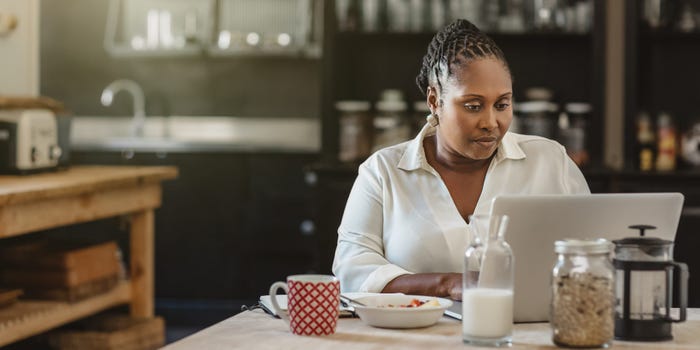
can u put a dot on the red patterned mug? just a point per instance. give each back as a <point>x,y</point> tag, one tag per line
<point>312,303</point>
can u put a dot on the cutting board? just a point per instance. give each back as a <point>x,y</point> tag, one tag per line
<point>39,265</point>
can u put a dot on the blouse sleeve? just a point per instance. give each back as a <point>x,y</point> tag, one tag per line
<point>359,262</point>
<point>574,181</point>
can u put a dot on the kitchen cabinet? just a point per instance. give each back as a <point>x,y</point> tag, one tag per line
<point>232,223</point>
<point>359,65</point>
<point>661,69</point>
<point>32,203</point>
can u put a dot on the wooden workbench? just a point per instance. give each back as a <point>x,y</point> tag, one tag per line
<point>81,194</point>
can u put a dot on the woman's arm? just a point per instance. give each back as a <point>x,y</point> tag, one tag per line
<point>360,263</point>
<point>434,284</point>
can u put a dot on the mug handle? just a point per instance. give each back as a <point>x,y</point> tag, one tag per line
<point>273,299</point>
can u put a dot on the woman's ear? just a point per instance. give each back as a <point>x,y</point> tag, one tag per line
<point>433,100</point>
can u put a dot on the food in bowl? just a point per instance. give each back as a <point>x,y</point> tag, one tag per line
<point>416,303</point>
<point>401,311</point>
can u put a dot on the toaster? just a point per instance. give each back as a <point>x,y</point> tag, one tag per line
<point>28,141</point>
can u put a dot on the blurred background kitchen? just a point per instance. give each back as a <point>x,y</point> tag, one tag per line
<point>268,106</point>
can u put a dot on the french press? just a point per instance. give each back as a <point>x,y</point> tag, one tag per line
<point>644,287</point>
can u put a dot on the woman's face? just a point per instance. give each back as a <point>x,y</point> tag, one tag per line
<point>476,109</point>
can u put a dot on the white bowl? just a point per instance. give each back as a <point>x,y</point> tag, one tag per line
<point>378,313</point>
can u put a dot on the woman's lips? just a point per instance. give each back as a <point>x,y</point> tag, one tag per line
<point>486,142</point>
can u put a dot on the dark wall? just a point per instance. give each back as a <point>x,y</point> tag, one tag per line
<point>75,68</point>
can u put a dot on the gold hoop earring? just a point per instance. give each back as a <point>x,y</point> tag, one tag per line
<point>432,120</point>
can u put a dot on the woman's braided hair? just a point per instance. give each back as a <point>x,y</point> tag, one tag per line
<point>456,44</point>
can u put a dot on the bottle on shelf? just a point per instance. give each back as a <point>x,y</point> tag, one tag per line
<point>645,142</point>
<point>666,143</point>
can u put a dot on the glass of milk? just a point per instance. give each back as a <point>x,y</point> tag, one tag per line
<point>487,290</point>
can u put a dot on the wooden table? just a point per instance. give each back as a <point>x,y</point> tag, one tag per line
<point>257,330</point>
<point>81,194</point>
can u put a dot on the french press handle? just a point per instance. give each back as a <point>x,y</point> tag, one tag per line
<point>683,287</point>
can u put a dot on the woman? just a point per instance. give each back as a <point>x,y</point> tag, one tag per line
<point>405,224</point>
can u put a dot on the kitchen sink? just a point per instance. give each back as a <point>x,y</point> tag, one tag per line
<point>196,133</point>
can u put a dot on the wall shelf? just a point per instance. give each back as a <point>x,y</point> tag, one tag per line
<point>176,28</point>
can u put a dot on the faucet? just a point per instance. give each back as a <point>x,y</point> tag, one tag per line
<point>138,98</point>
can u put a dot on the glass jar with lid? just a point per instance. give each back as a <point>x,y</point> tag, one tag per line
<point>537,117</point>
<point>355,130</point>
<point>391,124</point>
<point>572,130</point>
<point>583,294</point>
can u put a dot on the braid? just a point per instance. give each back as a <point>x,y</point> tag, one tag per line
<point>456,44</point>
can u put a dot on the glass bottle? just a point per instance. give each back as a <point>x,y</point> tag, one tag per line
<point>666,143</point>
<point>487,284</point>
<point>583,294</point>
<point>645,142</point>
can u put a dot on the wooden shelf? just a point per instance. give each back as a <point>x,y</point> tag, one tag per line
<point>29,317</point>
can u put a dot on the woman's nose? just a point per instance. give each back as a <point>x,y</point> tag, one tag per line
<point>488,120</point>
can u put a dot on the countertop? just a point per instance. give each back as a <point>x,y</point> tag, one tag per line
<point>257,330</point>
<point>188,134</point>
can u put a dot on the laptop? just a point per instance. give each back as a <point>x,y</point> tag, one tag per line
<point>537,221</point>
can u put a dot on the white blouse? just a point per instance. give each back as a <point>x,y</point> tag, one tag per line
<point>400,218</point>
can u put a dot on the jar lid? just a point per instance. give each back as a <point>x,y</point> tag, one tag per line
<point>584,246</point>
<point>578,107</point>
<point>536,106</point>
<point>391,106</point>
<point>539,93</point>
<point>391,95</point>
<point>352,106</point>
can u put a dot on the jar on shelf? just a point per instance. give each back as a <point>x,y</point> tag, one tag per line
<point>583,294</point>
<point>398,13</point>
<point>355,132</point>
<point>572,130</point>
<point>537,117</point>
<point>371,13</point>
<point>390,123</point>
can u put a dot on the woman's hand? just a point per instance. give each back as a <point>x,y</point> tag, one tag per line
<point>454,285</point>
<point>434,284</point>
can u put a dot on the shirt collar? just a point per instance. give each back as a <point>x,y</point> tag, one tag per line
<point>414,158</point>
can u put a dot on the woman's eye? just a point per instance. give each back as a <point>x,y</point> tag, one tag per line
<point>502,106</point>
<point>472,107</point>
